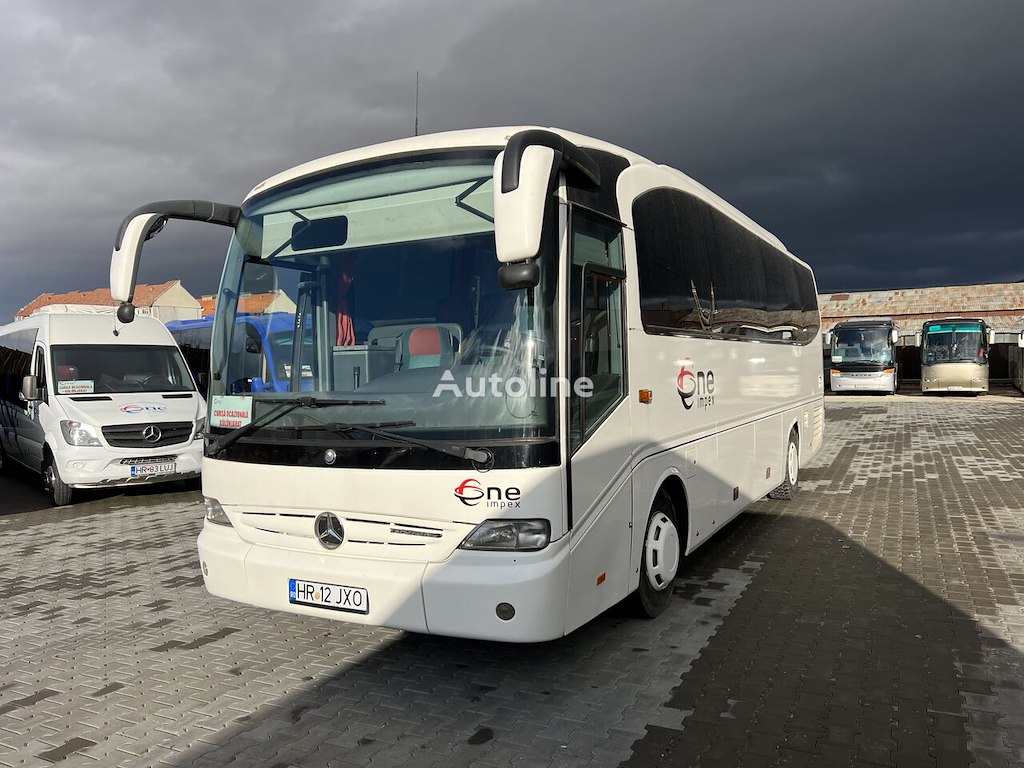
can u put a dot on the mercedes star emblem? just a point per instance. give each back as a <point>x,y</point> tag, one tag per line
<point>330,456</point>
<point>329,530</point>
<point>151,434</point>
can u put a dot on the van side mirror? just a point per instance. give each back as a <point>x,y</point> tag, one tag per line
<point>30,389</point>
<point>894,336</point>
<point>519,211</point>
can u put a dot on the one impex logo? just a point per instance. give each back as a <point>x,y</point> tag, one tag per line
<point>695,386</point>
<point>471,493</point>
<point>136,409</point>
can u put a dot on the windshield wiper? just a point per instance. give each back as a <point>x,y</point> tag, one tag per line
<point>283,408</point>
<point>476,455</point>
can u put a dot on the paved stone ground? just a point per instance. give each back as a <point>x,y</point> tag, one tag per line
<point>875,620</point>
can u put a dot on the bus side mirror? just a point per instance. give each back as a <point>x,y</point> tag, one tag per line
<point>124,261</point>
<point>991,335</point>
<point>30,389</point>
<point>1020,340</point>
<point>826,338</point>
<point>519,211</point>
<point>917,339</point>
<point>894,336</point>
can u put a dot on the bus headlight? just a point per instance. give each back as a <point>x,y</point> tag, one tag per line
<point>79,434</point>
<point>509,535</point>
<point>215,512</point>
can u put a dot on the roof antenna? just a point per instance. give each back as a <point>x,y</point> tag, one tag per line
<point>416,123</point>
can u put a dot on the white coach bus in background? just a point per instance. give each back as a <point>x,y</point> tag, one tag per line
<point>863,356</point>
<point>530,371</point>
<point>89,403</point>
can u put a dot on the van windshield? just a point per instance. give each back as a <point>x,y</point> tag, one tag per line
<point>97,368</point>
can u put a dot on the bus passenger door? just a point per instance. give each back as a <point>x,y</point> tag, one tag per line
<point>600,443</point>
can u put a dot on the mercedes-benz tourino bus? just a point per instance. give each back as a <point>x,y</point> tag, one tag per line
<point>544,371</point>
<point>954,355</point>
<point>863,356</point>
<point>88,402</point>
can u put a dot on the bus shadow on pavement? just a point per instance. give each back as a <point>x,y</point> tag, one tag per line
<point>789,644</point>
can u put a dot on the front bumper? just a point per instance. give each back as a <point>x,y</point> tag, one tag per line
<point>863,382</point>
<point>99,468</point>
<point>456,597</point>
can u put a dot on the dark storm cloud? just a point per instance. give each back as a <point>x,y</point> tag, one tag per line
<point>878,140</point>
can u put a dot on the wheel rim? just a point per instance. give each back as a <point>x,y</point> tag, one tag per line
<point>661,551</point>
<point>792,464</point>
<point>48,478</point>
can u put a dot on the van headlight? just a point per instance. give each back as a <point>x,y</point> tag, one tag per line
<point>79,434</point>
<point>215,512</point>
<point>509,535</point>
<point>200,432</point>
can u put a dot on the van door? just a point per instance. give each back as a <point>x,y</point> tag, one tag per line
<point>31,434</point>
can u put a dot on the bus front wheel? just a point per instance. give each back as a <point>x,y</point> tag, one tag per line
<point>787,488</point>
<point>660,559</point>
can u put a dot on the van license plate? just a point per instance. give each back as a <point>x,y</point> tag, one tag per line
<point>337,597</point>
<point>145,470</point>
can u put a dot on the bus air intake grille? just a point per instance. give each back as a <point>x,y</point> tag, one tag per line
<point>142,435</point>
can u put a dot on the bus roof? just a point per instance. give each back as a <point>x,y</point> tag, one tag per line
<point>497,138</point>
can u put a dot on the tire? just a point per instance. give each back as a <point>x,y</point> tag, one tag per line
<point>3,460</point>
<point>788,487</point>
<point>659,561</point>
<point>59,491</point>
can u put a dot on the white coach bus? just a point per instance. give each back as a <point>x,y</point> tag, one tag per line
<point>529,372</point>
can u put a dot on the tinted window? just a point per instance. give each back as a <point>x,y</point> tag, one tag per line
<point>699,270</point>
<point>15,362</point>
<point>674,234</point>
<point>738,277</point>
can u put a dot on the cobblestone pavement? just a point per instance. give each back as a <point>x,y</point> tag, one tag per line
<point>874,620</point>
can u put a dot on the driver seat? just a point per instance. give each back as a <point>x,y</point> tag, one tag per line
<point>427,346</point>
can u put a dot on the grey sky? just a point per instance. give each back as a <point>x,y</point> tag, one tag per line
<point>879,140</point>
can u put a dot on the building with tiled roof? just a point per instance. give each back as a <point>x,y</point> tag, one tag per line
<point>1001,305</point>
<point>252,303</point>
<point>166,301</point>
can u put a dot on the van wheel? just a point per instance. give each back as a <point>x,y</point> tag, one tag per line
<point>3,459</point>
<point>60,492</point>
<point>787,488</point>
<point>660,559</point>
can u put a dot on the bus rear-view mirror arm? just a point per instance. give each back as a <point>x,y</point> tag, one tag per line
<point>524,176</point>
<point>145,222</point>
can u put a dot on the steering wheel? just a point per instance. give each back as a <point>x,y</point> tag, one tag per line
<point>156,383</point>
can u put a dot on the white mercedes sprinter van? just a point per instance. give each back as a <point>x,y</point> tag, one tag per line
<point>89,402</point>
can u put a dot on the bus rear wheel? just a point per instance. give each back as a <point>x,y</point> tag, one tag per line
<point>660,559</point>
<point>787,488</point>
<point>58,490</point>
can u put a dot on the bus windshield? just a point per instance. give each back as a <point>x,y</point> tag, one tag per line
<point>381,282</point>
<point>862,345</point>
<point>954,343</point>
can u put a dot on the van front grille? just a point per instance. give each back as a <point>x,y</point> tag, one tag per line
<point>142,435</point>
